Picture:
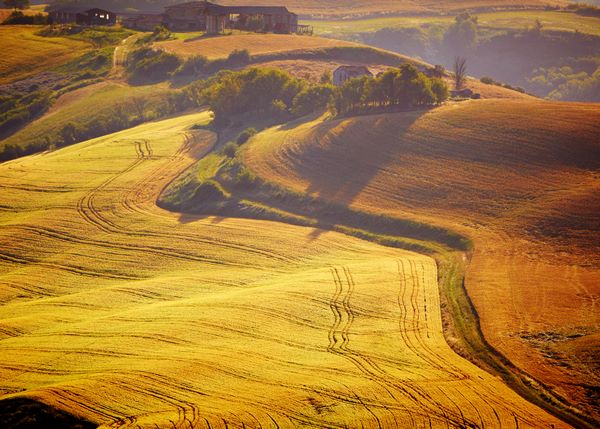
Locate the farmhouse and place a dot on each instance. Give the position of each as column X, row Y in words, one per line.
column 214, row 18
column 83, row 16
column 344, row 73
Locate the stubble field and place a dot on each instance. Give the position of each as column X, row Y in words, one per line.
column 520, row 178
column 128, row 315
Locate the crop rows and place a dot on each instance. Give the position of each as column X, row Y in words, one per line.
column 131, row 316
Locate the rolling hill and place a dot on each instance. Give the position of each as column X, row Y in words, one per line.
column 25, row 54
column 520, row 178
column 220, row 47
column 128, row 315
column 346, row 8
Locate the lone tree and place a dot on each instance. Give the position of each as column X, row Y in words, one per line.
column 17, row 4
column 460, row 72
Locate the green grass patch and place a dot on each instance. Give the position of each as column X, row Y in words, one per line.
column 514, row 20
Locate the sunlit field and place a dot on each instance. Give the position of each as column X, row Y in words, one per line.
column 128, row 315
column 221, row 47
column 517, row 177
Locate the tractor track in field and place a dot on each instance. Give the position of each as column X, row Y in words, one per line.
column 120, row 217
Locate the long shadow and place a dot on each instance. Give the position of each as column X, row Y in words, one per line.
column 26, row 413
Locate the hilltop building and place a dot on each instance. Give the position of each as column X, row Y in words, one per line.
column 83, row 16
column 344, row 73
column 215, row 19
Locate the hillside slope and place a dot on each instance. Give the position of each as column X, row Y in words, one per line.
column 345, row 8
column 521, row 178
column 25, row 54
column 220, row 47
column 129, row 315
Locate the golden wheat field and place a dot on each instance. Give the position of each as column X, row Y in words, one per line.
column 256, row 44
column 131, row 316
column 526, row 194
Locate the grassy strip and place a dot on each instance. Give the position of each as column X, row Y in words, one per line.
column 462, row 329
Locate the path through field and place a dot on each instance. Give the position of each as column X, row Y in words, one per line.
column 128, row 315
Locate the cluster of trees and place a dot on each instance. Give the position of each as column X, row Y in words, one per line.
column 19, row 18
column 565, row 83
column 261, row 91
column 527, row 58
column 278, row 95
column 18, row 109
column 403, row 87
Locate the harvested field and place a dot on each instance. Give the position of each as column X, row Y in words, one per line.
column 25, row 54
column 520, row 178
column 128, row 315
column 221, row 46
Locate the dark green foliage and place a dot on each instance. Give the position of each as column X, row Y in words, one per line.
column 239, row 57
column 25, row 413
column 262, row 91
column 230, row 149
column 19, row 18
column 18, row 109
column 147, row 65
column 160, row 33
column 462, row 36
column 245, row 135
column 487, row 80
column 193, row 67
column 567, row 83
column 403, row 87
column 209, row 190
column 313, row 99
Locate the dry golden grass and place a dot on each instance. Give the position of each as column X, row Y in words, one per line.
column 518, row 177
column 345, row 8
column 221, row 46
column 131, row 316
column 25, row 54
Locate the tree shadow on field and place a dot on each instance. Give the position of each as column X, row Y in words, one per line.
column 341, row 167
column 27, row 413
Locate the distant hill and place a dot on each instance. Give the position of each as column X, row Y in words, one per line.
column 333, row 8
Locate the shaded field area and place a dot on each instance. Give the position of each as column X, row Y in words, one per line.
column 125, row 314
column 525, row 195
column 24, row 413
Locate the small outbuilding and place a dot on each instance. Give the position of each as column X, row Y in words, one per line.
column 83, row 16
column 344, row 73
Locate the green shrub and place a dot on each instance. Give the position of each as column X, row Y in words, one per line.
column 19, row 18
column 239, row 57
column 487, row 80
column 245, row 135
column 147, row 65
column 230, row 149
column 209, row 190
column 313, row 99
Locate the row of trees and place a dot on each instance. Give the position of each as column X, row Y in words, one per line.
column 403, row 87
column 276, row 94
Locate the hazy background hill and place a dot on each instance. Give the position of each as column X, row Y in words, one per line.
column 339, row 8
